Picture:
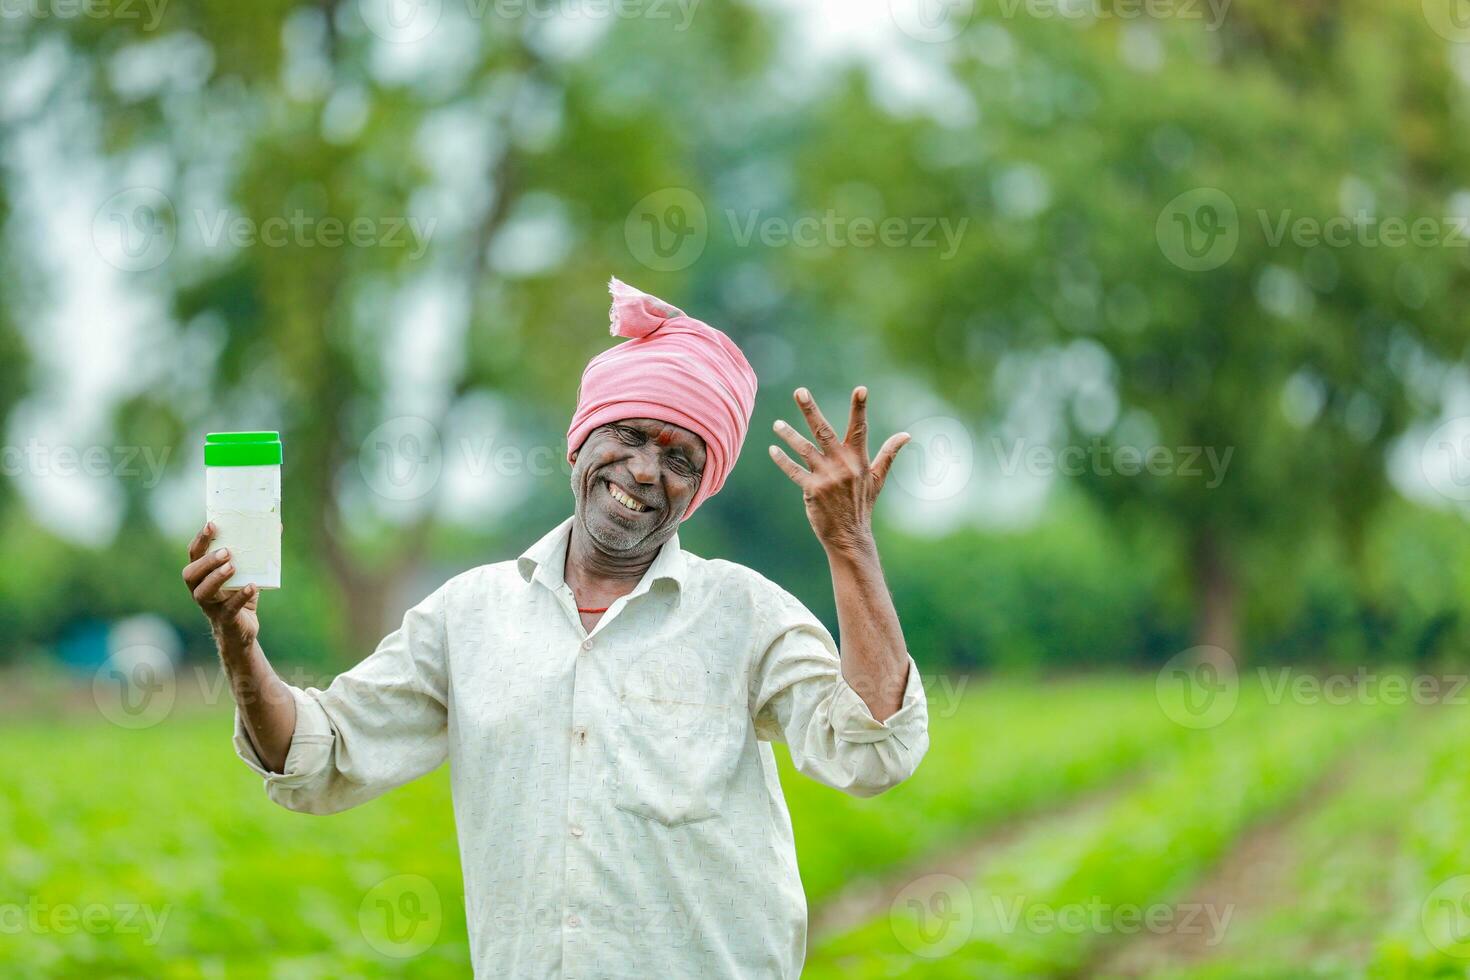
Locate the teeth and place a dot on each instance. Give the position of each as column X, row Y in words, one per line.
column 624, row 499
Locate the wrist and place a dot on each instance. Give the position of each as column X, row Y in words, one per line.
column 230, row 644
column 852, row 547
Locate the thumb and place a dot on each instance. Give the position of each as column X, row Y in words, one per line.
column 886, row 455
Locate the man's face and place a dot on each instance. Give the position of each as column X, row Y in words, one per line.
column 633, row 480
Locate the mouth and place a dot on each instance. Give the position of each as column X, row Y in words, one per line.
column 626, row 500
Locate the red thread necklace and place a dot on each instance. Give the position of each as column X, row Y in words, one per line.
column 603, row 609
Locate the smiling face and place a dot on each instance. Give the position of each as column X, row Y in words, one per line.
column 633, row 480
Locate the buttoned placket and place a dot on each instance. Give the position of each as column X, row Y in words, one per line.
column 579, row 835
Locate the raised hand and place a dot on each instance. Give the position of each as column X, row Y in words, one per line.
column 839, row 484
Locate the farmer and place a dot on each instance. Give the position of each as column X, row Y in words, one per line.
column 607, row 700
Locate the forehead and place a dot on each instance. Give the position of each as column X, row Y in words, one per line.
column 666, row 433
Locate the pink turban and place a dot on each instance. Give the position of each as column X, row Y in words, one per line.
column 675, row 369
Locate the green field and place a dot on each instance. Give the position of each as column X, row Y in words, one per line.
column 1047, row 823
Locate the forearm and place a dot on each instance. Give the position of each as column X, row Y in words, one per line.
column 875, row 661
column 267, row 709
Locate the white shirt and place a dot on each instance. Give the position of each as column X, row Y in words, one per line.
column 615, row 793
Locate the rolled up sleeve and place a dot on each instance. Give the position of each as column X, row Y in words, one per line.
column 376, row 727
column 801, row 698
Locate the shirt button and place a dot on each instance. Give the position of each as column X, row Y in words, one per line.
column 573, row 920
column 586, row 644
column 580, row 734
column 576, row 831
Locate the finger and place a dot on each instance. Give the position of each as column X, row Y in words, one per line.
column 857, row 421
column 237, row 601
column 208, row 590
column 821, row 428
column 890, row 449
column 788, row 466
column 200, row 544
column 809, row 453
column 195, row 571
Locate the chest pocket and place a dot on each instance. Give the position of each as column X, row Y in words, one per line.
column 681, row 736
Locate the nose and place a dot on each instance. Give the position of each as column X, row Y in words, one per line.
column 643, row 466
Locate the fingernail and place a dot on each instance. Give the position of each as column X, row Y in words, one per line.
column 222, row 553
column 802, row 394
column 209, row 527
column 778, row 425
column 862, row 394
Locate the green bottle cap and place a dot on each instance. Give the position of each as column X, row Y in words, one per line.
column 242, row 449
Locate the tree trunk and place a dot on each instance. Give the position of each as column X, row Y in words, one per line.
column 1216, row 595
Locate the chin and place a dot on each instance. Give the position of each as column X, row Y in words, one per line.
column 609, row 534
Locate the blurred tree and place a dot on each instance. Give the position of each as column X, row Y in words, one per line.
column 1129, row 184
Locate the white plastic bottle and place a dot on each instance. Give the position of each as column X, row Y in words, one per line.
column 242, row 480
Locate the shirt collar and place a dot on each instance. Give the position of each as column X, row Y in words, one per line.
column 546, row 560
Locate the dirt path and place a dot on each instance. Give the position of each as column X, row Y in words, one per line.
column 869, row 898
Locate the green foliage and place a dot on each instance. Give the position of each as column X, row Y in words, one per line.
column 1141, row 849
